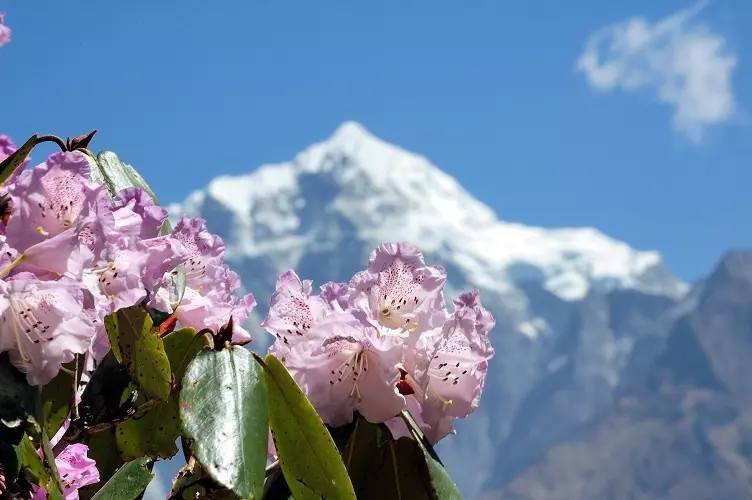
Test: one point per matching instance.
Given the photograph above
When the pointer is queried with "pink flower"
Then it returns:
(42, 325)
(293, 311)
(136, 214)
(457, 371)
(50, 198)
(4, 32)
(344, 366)
(76, 471)
(212, 312)
(398, 290)
(207, 301)
(205, 251)
(336, 295)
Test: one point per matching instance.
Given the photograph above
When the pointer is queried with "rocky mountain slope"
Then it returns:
(683, 432)
(580, 316)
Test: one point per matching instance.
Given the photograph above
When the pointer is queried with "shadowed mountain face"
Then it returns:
(580, 316)
(685, 430)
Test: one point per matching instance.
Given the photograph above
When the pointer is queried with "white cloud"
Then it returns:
(680, 60)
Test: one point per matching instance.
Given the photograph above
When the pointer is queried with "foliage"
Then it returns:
(121, 334)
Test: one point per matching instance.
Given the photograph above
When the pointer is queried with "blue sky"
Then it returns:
(651, 144)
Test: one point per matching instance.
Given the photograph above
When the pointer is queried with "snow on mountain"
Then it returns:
(390, 194)
(579, 314)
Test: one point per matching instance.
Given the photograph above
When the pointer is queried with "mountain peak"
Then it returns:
(351, 132)
(357, 184)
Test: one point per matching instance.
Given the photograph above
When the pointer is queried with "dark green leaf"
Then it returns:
(381, 467)
(443, 486)
(103, 394)
(117, 175)
(225, 411)
(16, 395)
(310, 460)
(155, 432)
(57, 397)
(11, 163)
(102, 449)
(128, 482)
(141, 350)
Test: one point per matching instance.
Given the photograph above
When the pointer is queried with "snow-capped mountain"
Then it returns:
(579, 314)
(387, 193)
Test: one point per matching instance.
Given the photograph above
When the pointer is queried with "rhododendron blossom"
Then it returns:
(71, 255)
(4, 32)
(84, 264)
(384, 343)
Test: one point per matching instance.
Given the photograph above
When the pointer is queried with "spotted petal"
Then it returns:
(42, 325)
(344, 366)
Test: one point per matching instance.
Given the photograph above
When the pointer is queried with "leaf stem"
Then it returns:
(55, 139)
(49, 457)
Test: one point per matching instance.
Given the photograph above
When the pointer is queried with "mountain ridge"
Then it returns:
(579, 315)
(390, 193)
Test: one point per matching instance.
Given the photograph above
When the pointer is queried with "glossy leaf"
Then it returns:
(154, 433)
(224, 410)
(11, 163)
(141, 350)
(16, 395)
(128, 482)
(311, 463)
(117, 175)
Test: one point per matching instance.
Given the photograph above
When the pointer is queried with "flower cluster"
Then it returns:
(383, 343)
(71, 255)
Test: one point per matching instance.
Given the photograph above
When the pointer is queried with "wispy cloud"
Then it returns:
(679, 59)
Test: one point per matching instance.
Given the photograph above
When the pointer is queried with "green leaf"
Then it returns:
(11, 163)
(310, 460)
(102, 449)
(442, 484)
(225, 411)
(141, 350)
(381, 467)
(17, 397)
(128, 482)
(117, 175)
(182, 346)
(155, 432)
(57, 397)
(37, 472)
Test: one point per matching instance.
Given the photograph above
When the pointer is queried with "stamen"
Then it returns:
(13, 264)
